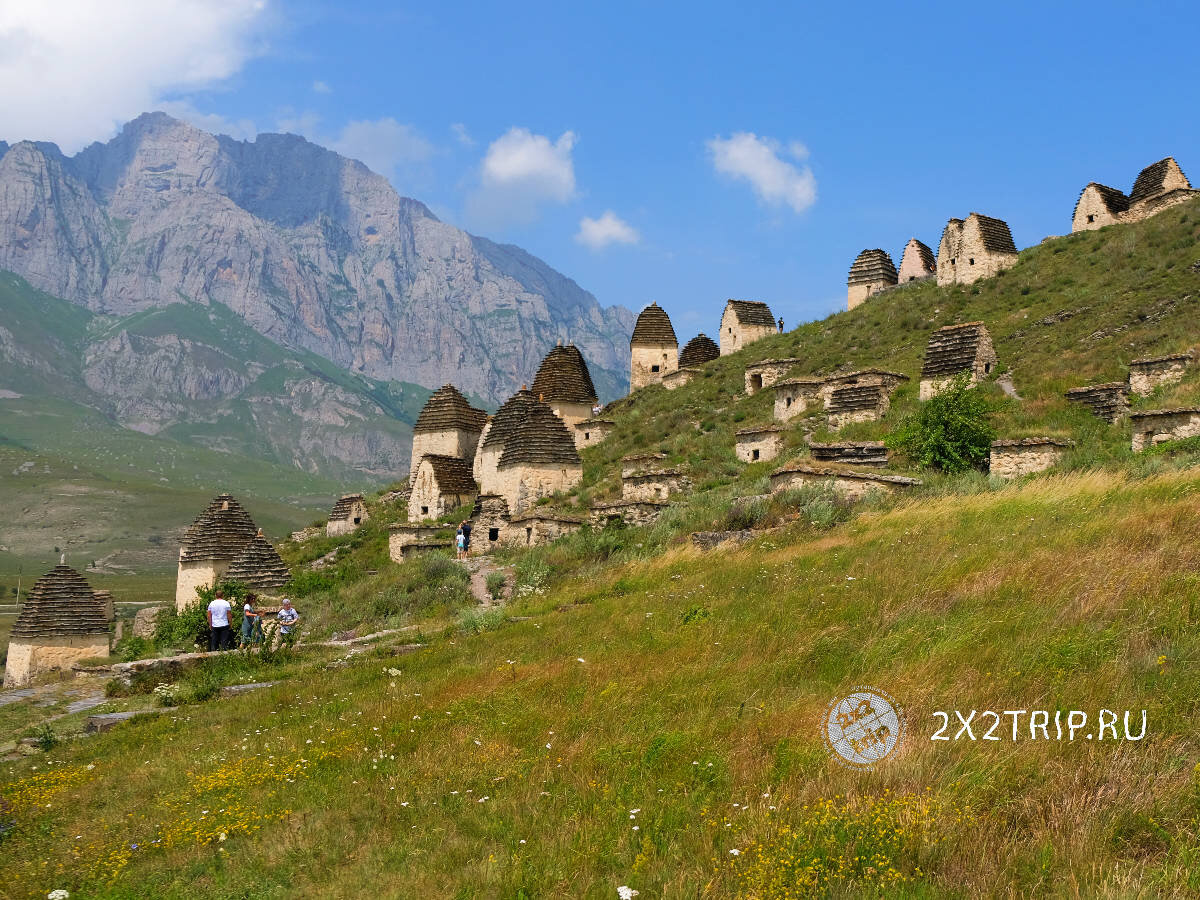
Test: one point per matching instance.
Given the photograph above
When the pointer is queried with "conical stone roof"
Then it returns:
(872, 266)
(447, 409)
(344, 507)
(61, 603)
(539, 438)
(507, 417)
(563, 376)
(653, 327)
(219, 532)
(698, 351)
(258, 566)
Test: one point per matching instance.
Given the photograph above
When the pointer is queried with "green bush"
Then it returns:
(495, 585)
(952, 431)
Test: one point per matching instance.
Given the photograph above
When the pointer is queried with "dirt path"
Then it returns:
(480, 567)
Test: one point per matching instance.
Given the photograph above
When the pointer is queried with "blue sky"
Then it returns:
(742, 152)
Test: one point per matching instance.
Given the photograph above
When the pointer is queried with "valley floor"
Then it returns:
(656, 725)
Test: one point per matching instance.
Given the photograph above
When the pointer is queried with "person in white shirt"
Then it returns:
(220, 635)
(288, 617)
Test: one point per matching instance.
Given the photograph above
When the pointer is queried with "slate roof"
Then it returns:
(952, 349)
(61, 603)
(220, 532)
(751, 312)
(453, 475)
(1150, 180)
(1114, 201)
(698, 351)
(1170, 357)
(563, 375)
(995, 233)
(872, 266)
(924, 253)
(258, 566)
(344, 507)
(448, 409)
(539, 438)
(1108, 401)
(855, 397)
(1033, 442)
(653, 327)
(1172, 411)
(507, 417)
(837, 471)
(758, 429)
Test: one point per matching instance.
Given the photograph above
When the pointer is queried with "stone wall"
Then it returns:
(401, 535)
(1161, 425)
(357, 515)
(767, 372)
(590, 432)
(650, 362)
(428, 501)
(203, 573)
(736, 336)
(964, 258)
(1147, 374)
(679, 378)
(861, 453)
(1014, 458)
(1091, 212)
(1109, 401)
(524, 485)
(759, 445)
(535, 530)
(852, 485)
(453, 442)
(794, 397)
(627, 512)
(28, 658)
(570, 413)
(640, 462)
(659, 485)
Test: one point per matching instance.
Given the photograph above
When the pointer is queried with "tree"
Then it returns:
(952, 431)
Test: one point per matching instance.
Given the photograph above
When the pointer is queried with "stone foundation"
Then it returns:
(1014, 458)
(795, 397)
(679, 378)
(1147, 374)
(590, 432)
(767, 372)
(759, 444)
(626, 512)
(28, 659)
(1161, 425)
(536, 529)
(652, 485)
(851, 484)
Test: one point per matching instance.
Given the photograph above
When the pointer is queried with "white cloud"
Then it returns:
(759, 160)
(321, 87)
(608, 229)
(521, 173)
(214, 123)
(384, 145)
(459, 130)
(71, 71)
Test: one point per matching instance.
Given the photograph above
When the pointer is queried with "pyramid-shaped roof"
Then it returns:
(539, 438)
(219, 532)
(61, 603)
(918, 255)
(452, 474)
(751, 312)
(344, 506)
(872, 266)
(448, 409)
(995, 234)
(564, 376)
(1153, 179)
(698, 351)
(1114, 201)
(258, 566)
(952, 349)
(507, 417)
(653, 327)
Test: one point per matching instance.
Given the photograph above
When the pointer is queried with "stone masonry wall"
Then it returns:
(1159, 426)
(765, 374)
(736, 336)
(795, 399)
(768, 444)
(29, 658)
(455, 442)
(679, 378)
(1014, 459)
(643, 360)
(204, 573)
(522, 486)
(1146, 375)
(652, 485)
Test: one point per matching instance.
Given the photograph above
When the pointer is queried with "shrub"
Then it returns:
(495, 585)
(951, 431)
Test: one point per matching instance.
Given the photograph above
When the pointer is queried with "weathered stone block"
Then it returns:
(1014, 458)
(1158, 426)
(851, 484)
(1145, 375)
(757, 444)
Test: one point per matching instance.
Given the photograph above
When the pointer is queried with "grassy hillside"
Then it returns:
(643, 724)
(646, 715)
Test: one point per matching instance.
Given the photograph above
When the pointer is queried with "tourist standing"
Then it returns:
(288, 617)
(466, 530)
(251, 622)
(220, 635)
(460, 543)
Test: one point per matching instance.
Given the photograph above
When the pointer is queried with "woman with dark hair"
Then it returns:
(252, 632)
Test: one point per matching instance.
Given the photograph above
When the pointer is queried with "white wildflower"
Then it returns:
(735, 852)
(626, 893)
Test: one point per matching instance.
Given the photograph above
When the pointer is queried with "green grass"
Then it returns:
(702, 685)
